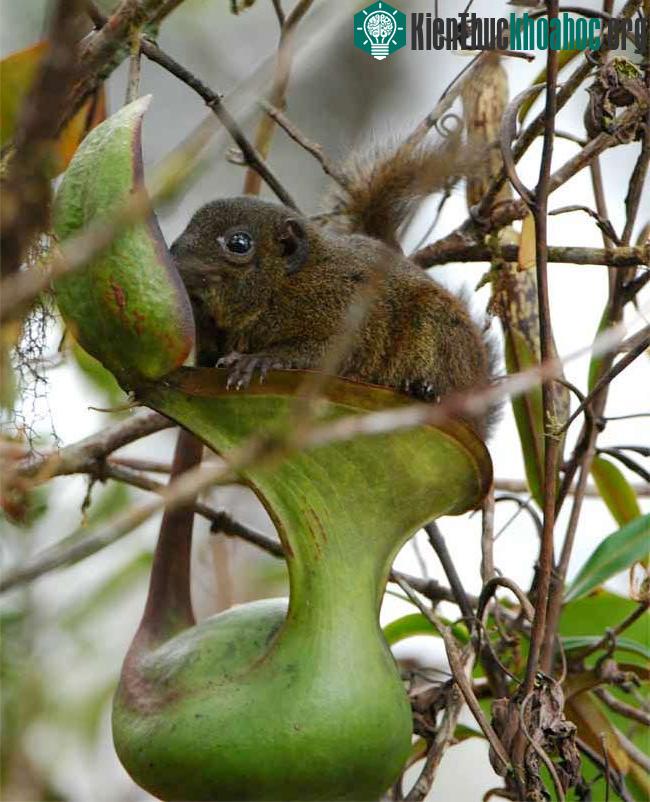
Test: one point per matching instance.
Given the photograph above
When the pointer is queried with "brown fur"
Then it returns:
(386, 184)
(417, 336)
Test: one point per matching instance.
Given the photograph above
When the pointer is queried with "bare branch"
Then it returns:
(551, 443)
(458, 251)
(623, 709)
(213, 100)
(642, 341)
(505, 213)
(87, 454)
(277, 94)
(316, 150)
(456, 664)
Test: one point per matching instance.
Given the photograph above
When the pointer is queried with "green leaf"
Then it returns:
(590, 616)
(616, 553)
(615, 491)
(128, 308)
(527, 410)
(596, 363)
(417, 624)
(577, 643)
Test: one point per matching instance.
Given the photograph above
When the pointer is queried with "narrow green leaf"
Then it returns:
(417, 624)
(463, 732)
(596, 363)
(616, 553)
(592, 615)
(527, 410)
(615, 491)
(578, 642)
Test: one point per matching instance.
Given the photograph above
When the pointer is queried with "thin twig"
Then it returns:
(85, 455)
(457, 669)
(104, 50)
(611, 634)
(133, 80)
(633, 751)
(603, 224)
(459, 251)
(643, 338)
(443, 737)
(277, 94)
(213, 101)
(487, 537)
(615, 776)
(279, 12)
(506, 136)
(623, 709)
(489, 589)
(316, 150)
(440, 547)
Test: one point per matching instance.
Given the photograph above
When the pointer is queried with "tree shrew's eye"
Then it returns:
(240, 243)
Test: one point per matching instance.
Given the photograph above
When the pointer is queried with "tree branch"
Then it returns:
(458, 251)
(213, 101)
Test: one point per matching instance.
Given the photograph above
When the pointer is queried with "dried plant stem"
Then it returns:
(454, 702)
(597, 398)
(615, 257)
(458, 670)
(551, 442)
(488, 570)
(277, 95)
(133, 81)
(103, 51)
(623, 709)
(316, 150)
(440, 547)
(606, 379)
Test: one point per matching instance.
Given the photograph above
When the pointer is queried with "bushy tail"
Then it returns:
(386, 184)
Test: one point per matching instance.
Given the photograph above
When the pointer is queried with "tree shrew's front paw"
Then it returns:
(242, 367)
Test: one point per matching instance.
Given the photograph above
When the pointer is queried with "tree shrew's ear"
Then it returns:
(294, 244)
